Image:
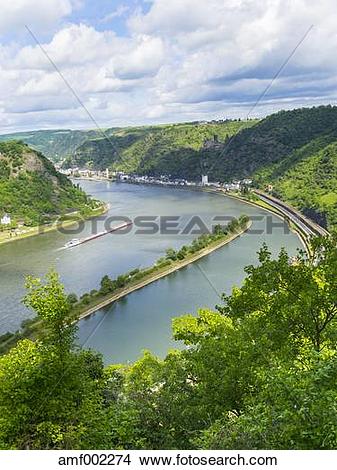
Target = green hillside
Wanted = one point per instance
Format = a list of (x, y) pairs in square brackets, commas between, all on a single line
[(178, 149), (305, 176), (169, 149), (294, 151), (273, 140), (308, 180), (32, 190), (55, 144)]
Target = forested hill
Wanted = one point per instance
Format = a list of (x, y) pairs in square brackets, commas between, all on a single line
[(55, 144), (307, 178), (31, 190), (272, 140), (295, 151), (180, 151), (165, 149)]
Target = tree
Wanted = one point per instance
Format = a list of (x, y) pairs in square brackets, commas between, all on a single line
[(171, 254), (52, 307), (260, 372), (294, 299), (106, 285), (72, 299), (295, 408), (49, 397), (257, 373)]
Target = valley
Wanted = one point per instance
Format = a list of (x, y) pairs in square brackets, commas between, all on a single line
[(288, 152)]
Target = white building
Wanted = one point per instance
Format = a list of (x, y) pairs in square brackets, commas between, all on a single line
[(5, 220), (234, 186), (204, 180)]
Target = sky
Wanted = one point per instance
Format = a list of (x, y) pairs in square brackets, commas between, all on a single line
[(136, 62)]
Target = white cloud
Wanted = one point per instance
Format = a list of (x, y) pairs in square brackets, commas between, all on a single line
[(120, 11), (41, 14), (42, 84), (176, 15), (144, 59), (72, 46), (182, 59)]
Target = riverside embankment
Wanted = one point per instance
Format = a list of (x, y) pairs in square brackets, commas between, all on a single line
[(90, 303), (304, 227), (141, 319), (160, 273)]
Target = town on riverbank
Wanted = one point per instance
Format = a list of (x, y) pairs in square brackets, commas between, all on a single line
[(244, 189), (162, 180)]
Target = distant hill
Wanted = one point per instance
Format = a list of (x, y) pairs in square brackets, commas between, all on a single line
[(167, 149), (54, 144), (295, 151), (32, 190), (307, 179), (274, 139)]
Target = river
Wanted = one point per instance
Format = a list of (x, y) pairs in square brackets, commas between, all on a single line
[(142, 320)]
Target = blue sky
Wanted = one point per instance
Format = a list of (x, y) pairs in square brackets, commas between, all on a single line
[(137, 62), (101, 14), (107, 14)]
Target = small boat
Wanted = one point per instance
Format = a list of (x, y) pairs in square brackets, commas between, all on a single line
[(73, 242)]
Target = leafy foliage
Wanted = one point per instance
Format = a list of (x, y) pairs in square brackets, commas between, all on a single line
[(310, 182), (260, 372), (55, 144), (49, 396), (32, 190), (174, 149)]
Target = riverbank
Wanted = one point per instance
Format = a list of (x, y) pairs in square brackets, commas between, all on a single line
[(11, 236), (258, 202), (136, 279), (163, 272), (269, 208)]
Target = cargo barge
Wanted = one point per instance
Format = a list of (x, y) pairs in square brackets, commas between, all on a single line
[(79, 241)]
